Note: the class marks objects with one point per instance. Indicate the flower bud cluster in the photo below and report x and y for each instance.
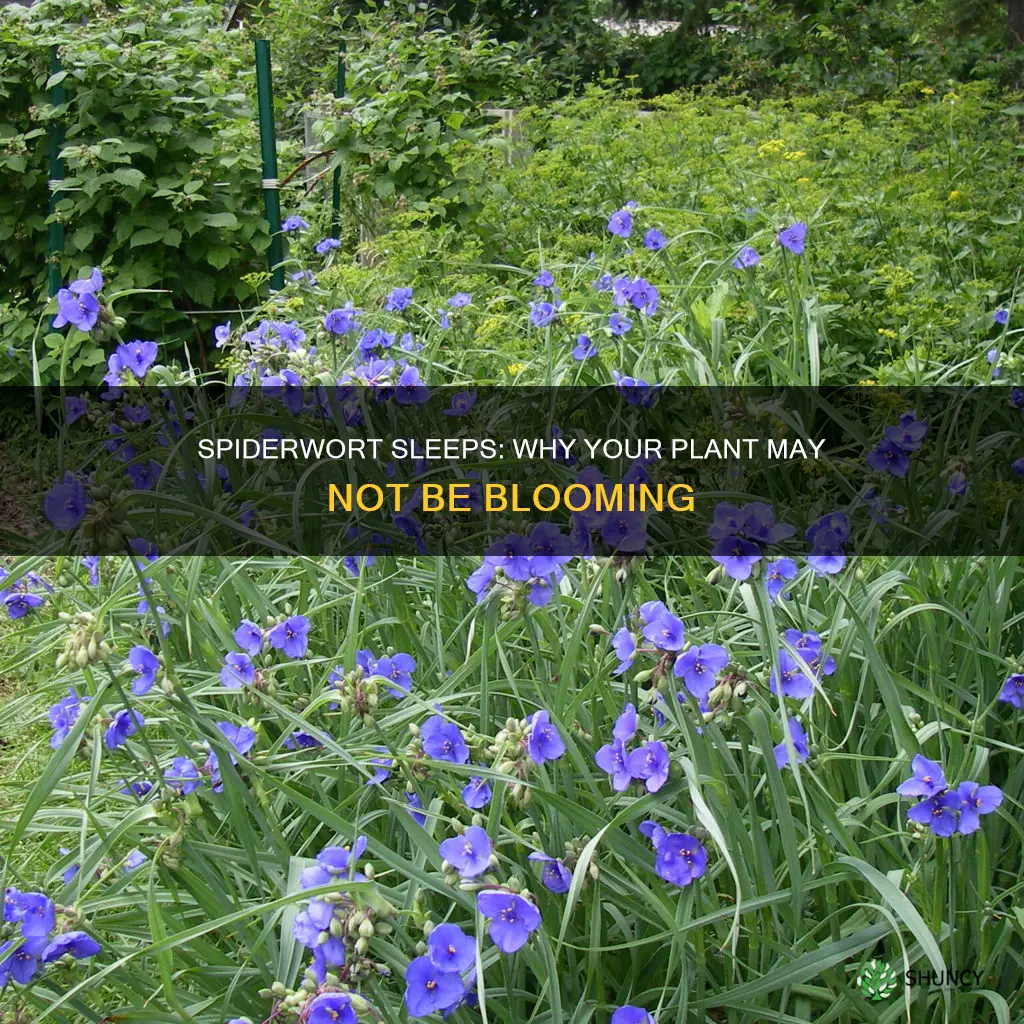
(85, 644)
(359, 693)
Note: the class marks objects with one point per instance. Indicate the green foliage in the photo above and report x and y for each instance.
(910, 203)
(869, 48)
(162, 164)
(813, 872)
(413, 107)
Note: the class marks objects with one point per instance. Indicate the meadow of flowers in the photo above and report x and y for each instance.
(528, 786)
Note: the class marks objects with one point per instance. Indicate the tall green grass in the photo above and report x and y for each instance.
(813, 872)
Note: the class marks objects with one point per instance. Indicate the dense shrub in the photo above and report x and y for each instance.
(163, 186)
(413, 106)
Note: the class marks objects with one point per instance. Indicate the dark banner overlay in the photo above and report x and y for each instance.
(727, 472)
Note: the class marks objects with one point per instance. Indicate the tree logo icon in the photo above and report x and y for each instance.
(877, 980)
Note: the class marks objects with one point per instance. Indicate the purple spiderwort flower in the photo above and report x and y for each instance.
(294, 223)
(512, 555)
(145, 664)
(776, 575)
(22, 965)
(1001, 317)
(443, 741)
(977, 800)
(63, 716)
(124, 724)
(542, 314)
(543, 742)
(736, 556)
(625, 725)
(680, 858)
(620, 223)
(290, 636)
(183, 776)
(585, 348)
(36, 914)
(75, 407)
(792, 238)
(249, 637)
(512, 917)
(398, 301)
(632, 1015)
(479, 581)
(450, 949)
(79, 945)
(618, 324)
(65, 503)
(625, 646)
(19, 604)
(655, 240)
(611, 758)
(134, 860)
(1012, 691)
(331, 1008)
(428, 988)
(938, 812)
(415, 805)
(222, 334)
(665, 631)
(799, 738)
(237, 671)
(461, 403)
(928, 779)
(651, 764)
(470, 853)
(555, 876)
(748, 257)
(698, 666)
(137, 356)
(476, 793)
(77, 304)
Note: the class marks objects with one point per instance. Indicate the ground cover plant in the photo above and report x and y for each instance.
(316, 789)
(359, 781)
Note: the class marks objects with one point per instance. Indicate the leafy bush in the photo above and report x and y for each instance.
(788, 48)
(163, 186)
(413, 106)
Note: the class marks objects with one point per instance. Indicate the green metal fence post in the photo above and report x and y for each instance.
(55, 236)
(268, 150)
(339, 91)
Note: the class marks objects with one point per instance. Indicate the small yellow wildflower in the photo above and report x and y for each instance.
(886, 333)
(803, 181)
(771, 148)
(928, 91)
(955, 195)
(516, 367)
(794, 154)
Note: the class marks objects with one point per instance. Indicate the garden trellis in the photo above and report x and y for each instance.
(58, 96)
(268, 147)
